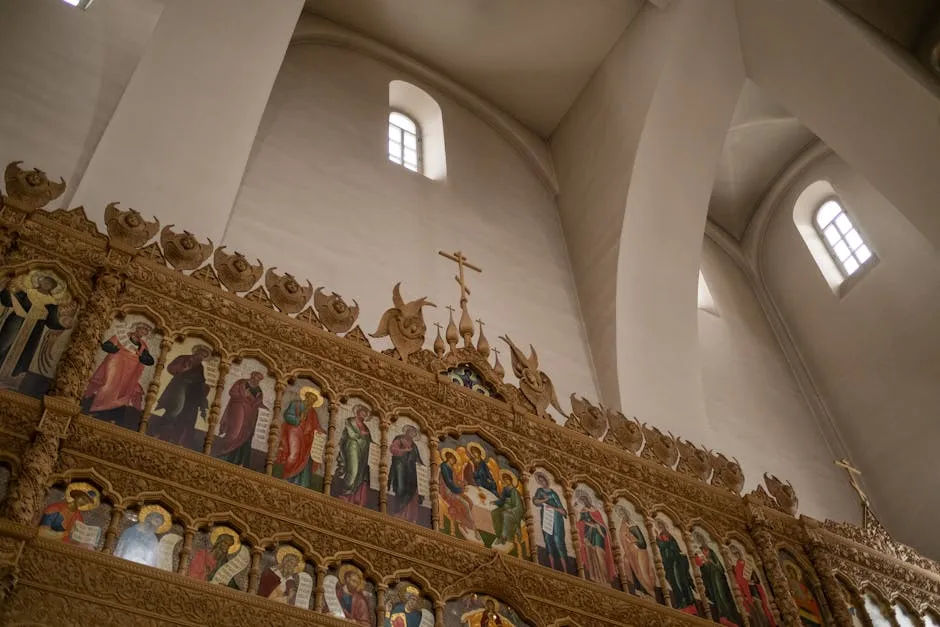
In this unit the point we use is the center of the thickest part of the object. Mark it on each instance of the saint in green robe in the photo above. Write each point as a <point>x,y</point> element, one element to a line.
<point>351,481</point>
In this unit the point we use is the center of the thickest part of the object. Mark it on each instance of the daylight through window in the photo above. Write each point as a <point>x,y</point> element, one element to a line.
<point>840,236</point>
<point>403,138</point>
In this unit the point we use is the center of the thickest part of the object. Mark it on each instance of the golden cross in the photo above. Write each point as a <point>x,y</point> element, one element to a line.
<point>852,471</point>
<point>439,326</point>
<point>480,322</point>
<point>462,262</point>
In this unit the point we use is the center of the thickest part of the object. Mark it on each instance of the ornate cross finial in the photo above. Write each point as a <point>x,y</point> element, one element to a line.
<point>440,326</point>
<point>462,262</point>
<point>852,471</point>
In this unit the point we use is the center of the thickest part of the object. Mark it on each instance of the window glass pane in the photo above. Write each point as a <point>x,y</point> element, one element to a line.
<point>827,212</point>
<point>850,265</point>
<point>863,254</point>
<point>842,251</point>
<point>832,234</point>
<point>394,132</point>
<point>402,121</point>
<point>394,148</point>
<point>853,239</point>
<point>411,155</point>
<point>844,224</point>
<point>412,166</point>
<point>394,159</point>
<point>410,141</point>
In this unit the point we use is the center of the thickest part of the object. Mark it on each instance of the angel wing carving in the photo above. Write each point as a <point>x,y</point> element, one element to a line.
<point>587,418</point>
<point>623,432</point>
<point>693,461</point>
<point>727,474</point>
<point>535,385</point>
<point>660,447</point>
<point>128,227</point>
<point>335,314</point>
<point>783,494</point>
<point>183,250</point>
<point>30,189</point>
<point>286,293</point>
<point>234,270</point>
<point>404,323</point>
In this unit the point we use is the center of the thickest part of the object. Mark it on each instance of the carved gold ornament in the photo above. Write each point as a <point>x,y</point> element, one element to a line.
<point>182,250</point>
<point>286,292</point>
<point>29,190</point>
<point>334,313</point>
<point>128,227</point>
<point>52,441</point>
<point>404,324</point>
<point>234,270</point>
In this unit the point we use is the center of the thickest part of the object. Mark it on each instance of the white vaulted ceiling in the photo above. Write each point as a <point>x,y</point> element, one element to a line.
<point>762,139</point>
<point>531,58</point>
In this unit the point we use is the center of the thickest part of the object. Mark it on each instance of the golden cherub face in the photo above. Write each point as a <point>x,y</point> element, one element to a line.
<point>133,219</point>
<point>291,286</point>
<point>240,264</point>
<point>188,242</point>
<point>34,179</point>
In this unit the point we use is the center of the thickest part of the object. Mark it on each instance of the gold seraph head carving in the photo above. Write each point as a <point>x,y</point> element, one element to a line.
<point>29,190</point>
<point>286,292</point>
<point>182,250</point>
<point>693,460</point>
<point>334,313</point>
<point>235,271</point>
<point>660,447</point>
<point>783,494</point>
<point>404,323</point>
<point>588,418</point>
<point>627,433</point>
<point>728,473</point>
<point>129,227</point>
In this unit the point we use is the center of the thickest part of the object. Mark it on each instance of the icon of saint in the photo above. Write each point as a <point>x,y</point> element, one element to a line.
<point>114,393</point>
<point>237,426</point>
<point>294,460</point>
<point>403,475</point>
<point>185,398</point>
<point>351,479</point>
<point>62,519</point>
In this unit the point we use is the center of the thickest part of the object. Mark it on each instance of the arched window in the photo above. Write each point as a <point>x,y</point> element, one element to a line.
<point>841,237</point>
<point>404,137</point>
<point>416,131</point>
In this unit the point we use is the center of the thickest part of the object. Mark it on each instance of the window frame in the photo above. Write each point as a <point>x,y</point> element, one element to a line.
<point>848,279</point>
<point>419,157</point>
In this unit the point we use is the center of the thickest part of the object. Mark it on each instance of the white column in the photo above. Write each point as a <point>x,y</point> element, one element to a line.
<point>180,137</point>
<point>636,159</point>
<point>876,108</point>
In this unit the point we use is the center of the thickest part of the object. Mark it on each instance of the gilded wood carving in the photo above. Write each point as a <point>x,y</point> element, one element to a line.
<point>180,454</point>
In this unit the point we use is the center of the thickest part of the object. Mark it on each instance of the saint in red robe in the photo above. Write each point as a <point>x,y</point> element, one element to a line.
<point>238,421</point>
<point>354,604</point>
<point>116,382</point>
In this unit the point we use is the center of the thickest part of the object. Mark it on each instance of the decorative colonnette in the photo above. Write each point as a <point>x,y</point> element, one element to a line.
<point>105,277</point>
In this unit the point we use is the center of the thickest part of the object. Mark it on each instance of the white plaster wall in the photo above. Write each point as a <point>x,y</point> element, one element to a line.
<point>178,141</point>
<point>319,199</point>
<point>64,71</point>
<point>875,353</point>
<point>756,410</point>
